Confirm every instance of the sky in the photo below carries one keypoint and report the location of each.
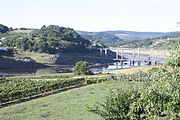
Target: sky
(93, 15)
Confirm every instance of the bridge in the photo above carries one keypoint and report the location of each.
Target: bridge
(155, 56)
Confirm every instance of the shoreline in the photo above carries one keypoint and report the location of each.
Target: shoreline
(135, 69)
(131, 70)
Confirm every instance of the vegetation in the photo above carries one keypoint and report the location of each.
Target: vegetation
(82, 68)
(20, 87)
(163, 42)
(174, 59)
(105, 38)
(39, 57)
(15, 89)
(132, 39)
(158, 100)
(3, 28)
(124, 38)
(50, 39)
(69, 105)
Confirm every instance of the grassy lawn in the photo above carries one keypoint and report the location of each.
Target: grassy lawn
(69, 105)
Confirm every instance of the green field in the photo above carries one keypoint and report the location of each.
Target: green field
(21, 31)
(69, 105)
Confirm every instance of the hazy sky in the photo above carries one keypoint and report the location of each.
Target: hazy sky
(93, 15)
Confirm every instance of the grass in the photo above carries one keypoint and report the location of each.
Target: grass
(69, 105)
(21, 31)
(39, 57)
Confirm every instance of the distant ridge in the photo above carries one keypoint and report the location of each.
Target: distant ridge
(124, 38)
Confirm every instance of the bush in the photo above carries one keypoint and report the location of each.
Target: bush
(3, 28)
(82, 68)
(158, 100)
(116, 106)
(94, 80)
(174, 59)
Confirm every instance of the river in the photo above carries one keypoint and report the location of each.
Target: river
(67, 68)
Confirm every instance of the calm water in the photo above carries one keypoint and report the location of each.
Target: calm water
(126, 64)
(67, 69)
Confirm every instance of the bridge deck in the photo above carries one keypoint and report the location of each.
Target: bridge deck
(141, 60)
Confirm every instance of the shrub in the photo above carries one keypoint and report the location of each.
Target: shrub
(174, 59)
(116, 106)
(94, 80)
(158, 100)
(82, 68)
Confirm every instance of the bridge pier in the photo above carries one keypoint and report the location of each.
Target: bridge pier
(121, 56)
(116, 65)
(105, 51)
(117, 55)
(101, 51)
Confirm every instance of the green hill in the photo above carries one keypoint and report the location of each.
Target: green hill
(134, 39)
(105, 38)
(161, 42)
(50, 39)
(134, 35)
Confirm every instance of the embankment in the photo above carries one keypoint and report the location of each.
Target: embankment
(93, 57)
(7, 63)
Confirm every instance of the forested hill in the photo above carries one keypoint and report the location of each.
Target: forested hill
(166, 41)
(120, 37)
(131, 39)
(105, 38)
(50, 39)
(134, 35)
(161, 42)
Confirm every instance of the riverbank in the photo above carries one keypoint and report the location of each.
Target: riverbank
(93, 57)
(12, 63)
(134, 70)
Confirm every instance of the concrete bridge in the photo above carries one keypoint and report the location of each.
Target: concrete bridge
(155, 56)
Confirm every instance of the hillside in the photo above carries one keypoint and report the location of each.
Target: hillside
(133, 39)
(105, 38)
(161, 42)
(166, 41)
(52, 45)
(50, 39)
(122, 38)
(133, 35)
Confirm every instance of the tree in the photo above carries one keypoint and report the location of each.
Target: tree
(174, 59)
(157, 100)
(3, 29)
(82, 68)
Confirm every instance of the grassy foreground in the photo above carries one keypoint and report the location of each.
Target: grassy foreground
(70, 105)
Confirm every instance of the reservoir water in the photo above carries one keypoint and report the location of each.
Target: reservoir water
(68, 68)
